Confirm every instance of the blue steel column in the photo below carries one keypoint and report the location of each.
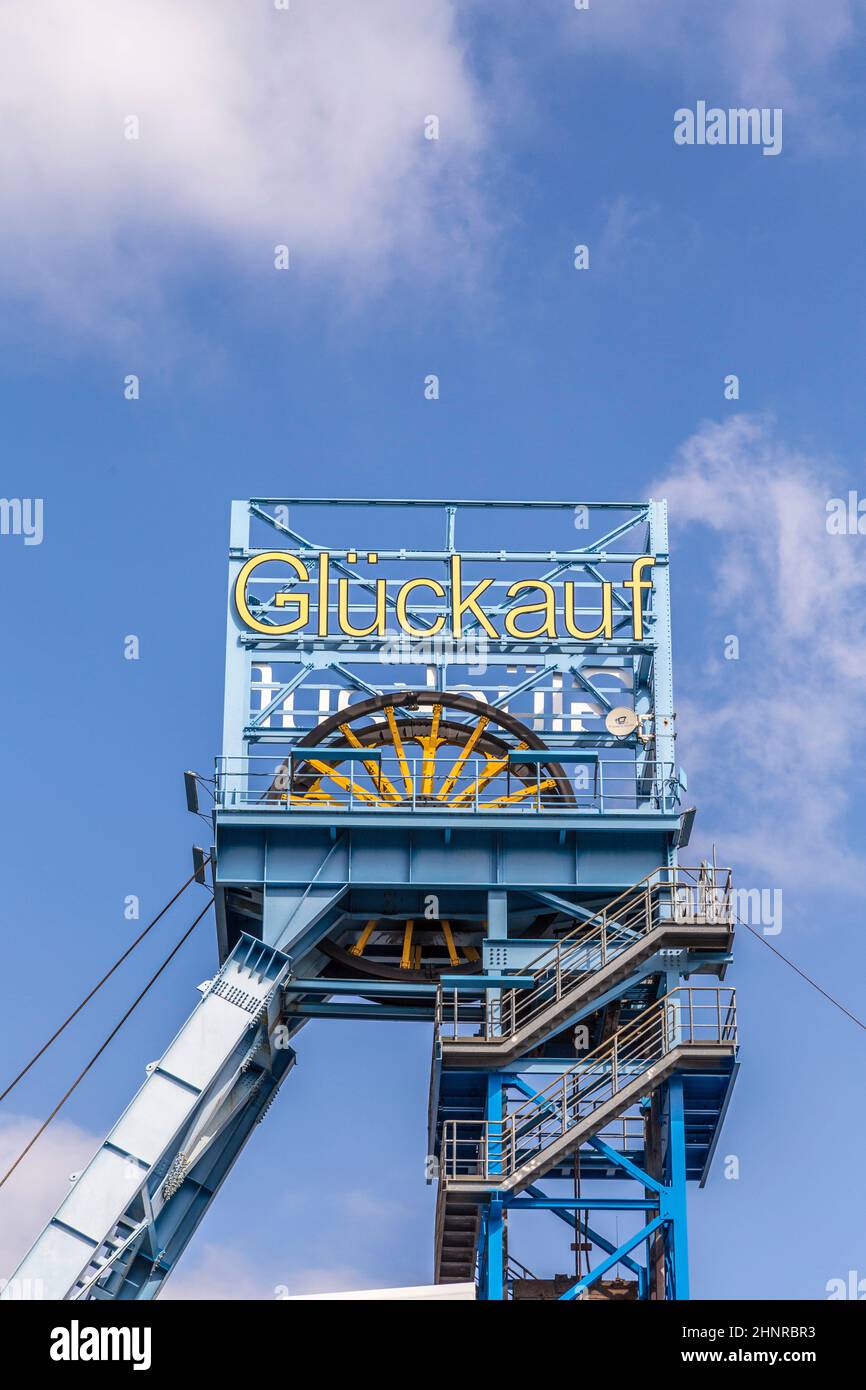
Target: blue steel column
(679, 1244)
(237, 686)
(493, 1274)
(663, 678)
(495, 1283)
(237, 689)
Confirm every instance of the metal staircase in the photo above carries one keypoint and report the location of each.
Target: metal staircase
(458, 1224)
(404, 832)
(690, 1026)
(687, 909)
(672, 922)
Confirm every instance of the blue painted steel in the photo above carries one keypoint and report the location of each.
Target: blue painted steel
(566, 1204)
(298, 872)
(676, 1206)
(580, 1224)
(489, 980)
(494, 1269)
(615, 1258)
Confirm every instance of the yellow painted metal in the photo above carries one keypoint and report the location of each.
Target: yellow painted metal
(344, 782)
(493, 769)
(313, 793)
(465, 753)
(399, 750)
(406, 958)
(388, 794)
(449, 943)
(382, 782)
(495, 765)
(519, 795)
(429, 746)
(358, 948)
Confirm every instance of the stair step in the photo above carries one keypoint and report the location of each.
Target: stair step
(617, 969)
(458, 1240)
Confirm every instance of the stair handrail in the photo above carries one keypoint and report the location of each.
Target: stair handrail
(648, 882)
(709, 887)
(610, 1067)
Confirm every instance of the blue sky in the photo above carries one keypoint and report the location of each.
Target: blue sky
(411, 257)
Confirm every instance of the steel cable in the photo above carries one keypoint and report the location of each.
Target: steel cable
(98, 986)
(803, 975)
(98, 1053)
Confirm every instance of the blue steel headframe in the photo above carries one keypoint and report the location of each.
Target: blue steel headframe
(358, 630)
(551, 890)
(280, 686)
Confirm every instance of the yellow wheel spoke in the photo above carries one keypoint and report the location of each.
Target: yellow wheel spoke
(429, 744)
(524, 791)
(458, 765)
(314, 793)
(438, 780)
(344, 782)
(358, 948)
(399, 750)
(406, 958)
(493, 769)
(449, 943)
(449, 753)
(382, 783)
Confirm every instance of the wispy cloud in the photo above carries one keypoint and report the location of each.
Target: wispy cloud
(225, 1270)
(766, 51)
(257, 127)
(626, 232)
(36, 1187)
(770, 733)
(229, 1272)
(210, 1269)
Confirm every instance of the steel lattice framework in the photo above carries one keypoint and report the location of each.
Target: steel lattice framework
(448, 792)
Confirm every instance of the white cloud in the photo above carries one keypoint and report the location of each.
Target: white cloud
(625, 234)
(208, 1269)
(226, 1272)
(769, 52)
(257, 127)
(771, 733)
(214, 1271)
(29, 1198)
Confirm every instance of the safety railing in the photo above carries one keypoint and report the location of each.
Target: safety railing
(689, 897)
(515, 1269)
(381, 780)
(495, 1150)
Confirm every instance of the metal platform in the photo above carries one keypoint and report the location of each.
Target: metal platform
(448, 792)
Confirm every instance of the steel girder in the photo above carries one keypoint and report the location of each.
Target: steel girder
(133, 1209)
